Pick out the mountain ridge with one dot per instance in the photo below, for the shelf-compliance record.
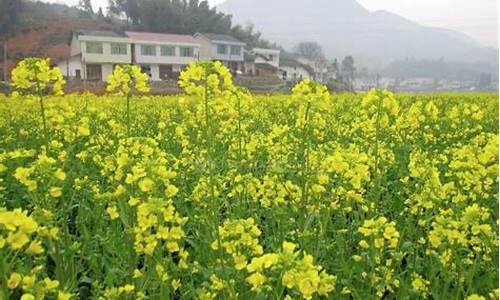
(345, 27)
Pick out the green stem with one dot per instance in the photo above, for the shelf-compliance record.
(305, 155)
(128, 115)
(209, 149)
(4, 278)
(377, 158)
(44, 120)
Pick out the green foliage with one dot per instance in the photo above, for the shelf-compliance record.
(9, 13)
(55, 38)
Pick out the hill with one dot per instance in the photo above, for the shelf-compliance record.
(344, 27)
(43, 30)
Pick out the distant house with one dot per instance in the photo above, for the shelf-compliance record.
(261, 62)
(268, 56)
(221, 47)
(320, 69)
(94, 54)
(163, 56)
(292, 70)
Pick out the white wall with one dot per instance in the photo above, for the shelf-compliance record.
(68, 67)
(295, 73)
(206, 48)
(275, 62)
(106, 69)
(166, 60)
(75, 47)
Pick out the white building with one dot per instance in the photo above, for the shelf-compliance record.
(268, 56)
(163, 56)
(320, 69)
(292, 70)
(221, 47)
(93, 54)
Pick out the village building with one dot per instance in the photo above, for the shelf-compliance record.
(262, 62)
(93, 54)
(292, 70)
(163, 56)
(224, 48)
(319, 68)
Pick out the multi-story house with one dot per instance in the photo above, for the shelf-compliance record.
(163, 56)
(93, 54)
(221, 47)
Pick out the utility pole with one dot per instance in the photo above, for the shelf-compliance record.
(378, 80)
(5, 76)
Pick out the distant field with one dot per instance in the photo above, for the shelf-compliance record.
(263, 197)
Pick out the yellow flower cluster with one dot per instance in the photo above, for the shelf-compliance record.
(207, 77)
(37, 74)
(379, 233)
(126, 79)
(311, 91)
(299, 273)
(240, 239)
(20, 236)
(157, 222)
(17, 229)
(44, 175)
(468, 230)
(390, 196)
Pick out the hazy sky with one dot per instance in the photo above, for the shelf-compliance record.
(477, 18)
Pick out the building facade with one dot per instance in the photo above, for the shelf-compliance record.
(292, 70)
(221, 47)
(93, 54)
(163, 56)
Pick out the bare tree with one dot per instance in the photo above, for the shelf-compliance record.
(311, 51)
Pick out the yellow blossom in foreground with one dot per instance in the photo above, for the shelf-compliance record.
(14, 280)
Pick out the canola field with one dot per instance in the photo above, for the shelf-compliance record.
(228, 195)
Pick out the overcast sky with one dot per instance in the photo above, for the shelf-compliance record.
(477, 18)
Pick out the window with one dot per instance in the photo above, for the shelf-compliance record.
(167, 51)
(148, 50)
(118, 48)
(222, 49)
(187, 52)
(94, 72)
(93, 47)
(235, 50)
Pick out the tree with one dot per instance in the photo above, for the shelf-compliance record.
(311, 51)
(86, 7)
(335, 66)
(100, 14)
(348, 70)
(129, 8)
(9, 17)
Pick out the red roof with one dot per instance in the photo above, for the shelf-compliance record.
(160, 37)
